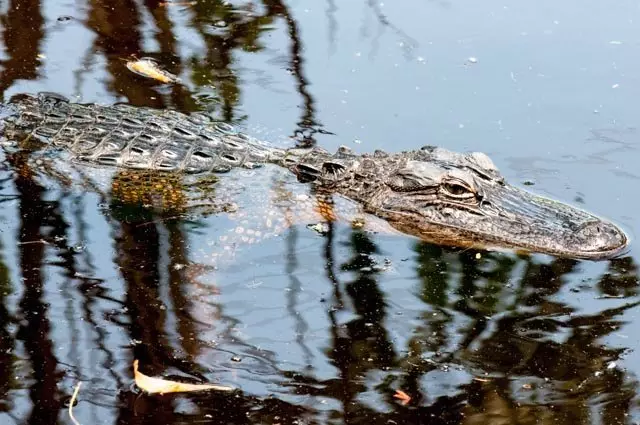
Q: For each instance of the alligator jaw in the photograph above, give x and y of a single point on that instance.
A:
(514, 219)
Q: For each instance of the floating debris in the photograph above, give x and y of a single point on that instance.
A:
(149, 68)
(72, 402)
(403, 397)
(153, 385)
(358, 223)
(320, 228)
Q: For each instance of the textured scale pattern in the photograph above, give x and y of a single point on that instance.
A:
(129, 137)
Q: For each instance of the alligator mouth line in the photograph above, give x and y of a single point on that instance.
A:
(532, 224)
(459, 237)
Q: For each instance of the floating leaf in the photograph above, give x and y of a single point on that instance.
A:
(162, 386)
(149, 68)
(72, 402)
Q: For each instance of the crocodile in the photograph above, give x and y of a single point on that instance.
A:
(444, 197)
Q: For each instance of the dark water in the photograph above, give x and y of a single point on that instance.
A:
(325, 329)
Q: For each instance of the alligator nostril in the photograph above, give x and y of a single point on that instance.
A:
(485, 203)
(599, 236)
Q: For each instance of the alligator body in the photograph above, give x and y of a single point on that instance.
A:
(432, 193)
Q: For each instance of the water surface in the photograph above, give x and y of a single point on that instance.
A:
(326, 328)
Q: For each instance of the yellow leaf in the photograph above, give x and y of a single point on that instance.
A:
(156, 385)
(148, 68)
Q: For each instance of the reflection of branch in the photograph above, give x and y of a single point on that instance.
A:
(337, 302)
(307, 125)
(7, 341)
(333, 24)
(34, 328)
(512, 340)
(22, 36)
(183, 320)
(292, 296)
(297, 61)
(239, 33)
(79, 73)
(408, 43)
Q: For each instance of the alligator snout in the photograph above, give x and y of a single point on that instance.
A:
(599, 236)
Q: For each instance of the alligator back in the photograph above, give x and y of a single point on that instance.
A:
(129, 137)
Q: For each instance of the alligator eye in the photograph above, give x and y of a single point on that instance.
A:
(457, 190)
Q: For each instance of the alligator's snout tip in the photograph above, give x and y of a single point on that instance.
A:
(600, 238)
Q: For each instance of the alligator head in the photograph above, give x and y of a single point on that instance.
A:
(462, 200)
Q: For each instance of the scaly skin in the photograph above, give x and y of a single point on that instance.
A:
(434, 194)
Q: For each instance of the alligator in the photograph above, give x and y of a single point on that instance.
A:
(444, 197)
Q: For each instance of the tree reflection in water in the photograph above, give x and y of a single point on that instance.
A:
(485, 337)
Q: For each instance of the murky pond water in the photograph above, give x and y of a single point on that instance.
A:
(337, 326)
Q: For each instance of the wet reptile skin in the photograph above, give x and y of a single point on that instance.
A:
(431, 193)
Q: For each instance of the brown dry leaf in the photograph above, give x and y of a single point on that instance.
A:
(150, 69)
(403, 397)
(161, 386)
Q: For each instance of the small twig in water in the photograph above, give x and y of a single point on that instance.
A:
(42, 241)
